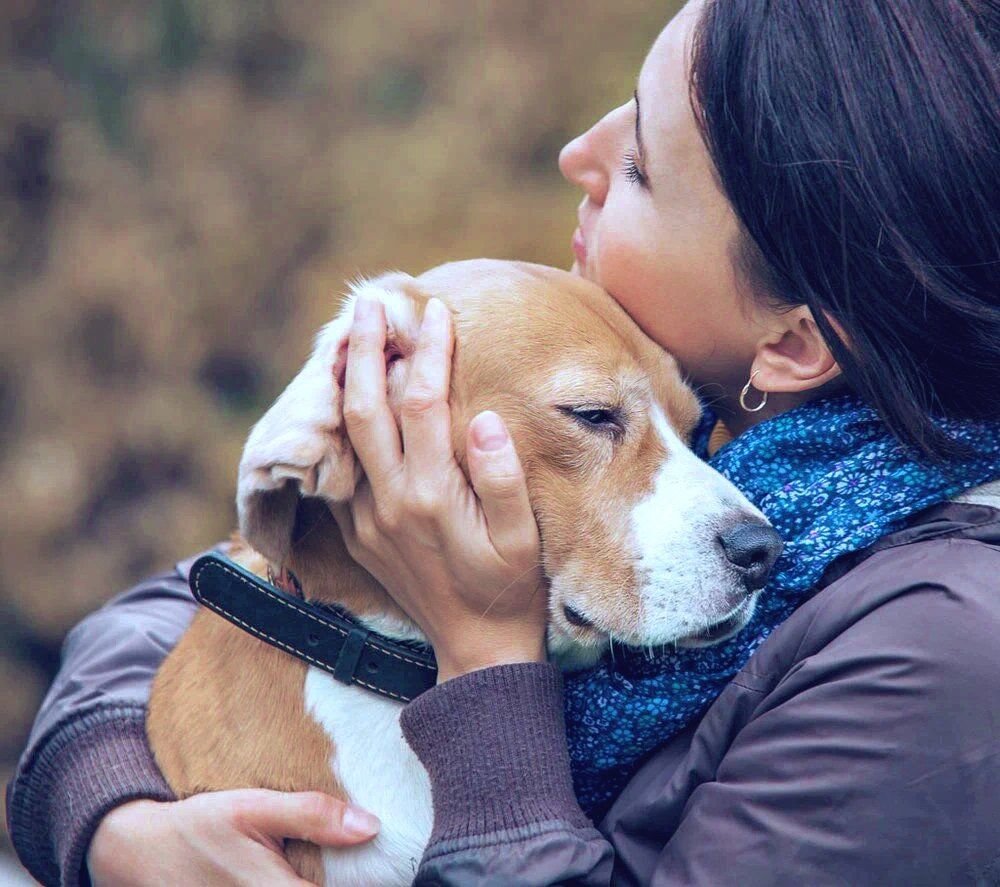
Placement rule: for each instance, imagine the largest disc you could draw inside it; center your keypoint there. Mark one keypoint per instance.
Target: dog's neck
(329, 575)
(397, 628)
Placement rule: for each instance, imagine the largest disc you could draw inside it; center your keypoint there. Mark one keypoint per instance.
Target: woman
(813, 230)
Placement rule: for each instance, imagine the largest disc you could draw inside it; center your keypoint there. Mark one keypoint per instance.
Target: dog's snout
(752, 547)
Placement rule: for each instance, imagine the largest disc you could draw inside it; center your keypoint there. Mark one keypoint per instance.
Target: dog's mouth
(581, 629)
(734, 621)
(575, 617)
(578, 628)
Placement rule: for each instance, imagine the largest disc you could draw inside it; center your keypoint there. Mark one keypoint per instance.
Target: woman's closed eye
(631, 170)
(632, 162)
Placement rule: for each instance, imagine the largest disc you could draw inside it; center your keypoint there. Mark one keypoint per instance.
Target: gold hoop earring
(746, 391)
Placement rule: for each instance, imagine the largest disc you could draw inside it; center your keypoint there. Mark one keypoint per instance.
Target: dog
(642, 542)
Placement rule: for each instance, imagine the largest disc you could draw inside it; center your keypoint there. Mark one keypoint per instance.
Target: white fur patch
(684, 578)
(399, 629)
(400, 311)
(380, 773)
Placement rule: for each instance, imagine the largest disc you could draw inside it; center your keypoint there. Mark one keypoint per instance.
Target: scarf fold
(831, 479)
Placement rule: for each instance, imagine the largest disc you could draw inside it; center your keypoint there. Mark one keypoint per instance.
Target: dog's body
(230, 711)
(630, 523)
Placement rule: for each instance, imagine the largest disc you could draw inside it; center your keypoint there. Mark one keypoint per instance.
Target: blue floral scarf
(832, 480)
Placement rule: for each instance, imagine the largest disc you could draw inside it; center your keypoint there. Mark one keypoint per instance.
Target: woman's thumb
(498, 479)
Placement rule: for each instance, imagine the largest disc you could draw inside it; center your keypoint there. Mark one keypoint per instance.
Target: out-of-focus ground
(185, 185)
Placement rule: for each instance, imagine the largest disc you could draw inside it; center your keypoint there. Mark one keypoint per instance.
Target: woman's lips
(580, 248)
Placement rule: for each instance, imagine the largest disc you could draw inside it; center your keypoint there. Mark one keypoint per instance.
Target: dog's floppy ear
(300, 447)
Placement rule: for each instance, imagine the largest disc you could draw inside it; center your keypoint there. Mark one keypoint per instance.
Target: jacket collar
(964, 518)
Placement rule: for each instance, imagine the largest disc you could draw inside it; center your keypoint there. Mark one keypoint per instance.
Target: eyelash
(630, 169)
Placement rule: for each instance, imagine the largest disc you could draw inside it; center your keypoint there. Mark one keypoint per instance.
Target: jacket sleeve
(494, 745)
(87, 752)
(874, 760)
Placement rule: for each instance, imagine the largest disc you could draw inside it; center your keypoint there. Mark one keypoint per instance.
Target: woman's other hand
(224, 838)
(461, 560)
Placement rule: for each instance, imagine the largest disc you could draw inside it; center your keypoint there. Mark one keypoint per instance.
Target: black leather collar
(322, 636)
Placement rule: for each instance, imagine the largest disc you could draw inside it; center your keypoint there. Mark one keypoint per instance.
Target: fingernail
(488, 432)
(360, 823)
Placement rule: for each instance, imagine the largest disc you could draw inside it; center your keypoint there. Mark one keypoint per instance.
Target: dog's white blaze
(380, 773)
(682, 574)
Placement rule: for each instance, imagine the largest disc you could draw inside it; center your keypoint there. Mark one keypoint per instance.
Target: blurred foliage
(184, 187)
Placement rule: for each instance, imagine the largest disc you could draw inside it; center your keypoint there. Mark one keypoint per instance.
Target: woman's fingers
(370, 423)
(426, 419)
(226, 838)
(359, 525)
(305, 816)
(498, 479)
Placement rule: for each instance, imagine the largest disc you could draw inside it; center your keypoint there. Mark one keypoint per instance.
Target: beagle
(643, 543)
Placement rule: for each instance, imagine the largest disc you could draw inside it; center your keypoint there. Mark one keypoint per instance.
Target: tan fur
(226, 709)
(719, 437)
(220, 715)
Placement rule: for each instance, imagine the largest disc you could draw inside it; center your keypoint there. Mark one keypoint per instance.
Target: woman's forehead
(666, 64)
(668, 123)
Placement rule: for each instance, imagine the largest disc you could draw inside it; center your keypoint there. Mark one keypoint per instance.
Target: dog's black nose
(752, 548)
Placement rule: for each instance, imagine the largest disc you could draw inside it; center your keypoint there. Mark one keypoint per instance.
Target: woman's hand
(224, 838)
(462, 561)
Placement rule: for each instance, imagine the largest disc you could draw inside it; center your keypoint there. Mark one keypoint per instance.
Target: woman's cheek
(635, 283)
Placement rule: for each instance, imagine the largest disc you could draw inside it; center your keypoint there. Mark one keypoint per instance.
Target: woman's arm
(88, 800)
(87, 752)
(494, 745)
(463, 561)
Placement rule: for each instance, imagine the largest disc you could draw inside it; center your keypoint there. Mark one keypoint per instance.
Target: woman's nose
(580, 164)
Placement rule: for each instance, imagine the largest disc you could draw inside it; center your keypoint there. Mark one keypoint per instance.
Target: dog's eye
(596, 419)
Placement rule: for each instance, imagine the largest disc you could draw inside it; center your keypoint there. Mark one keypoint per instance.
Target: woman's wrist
(479, 653)
(494, 746)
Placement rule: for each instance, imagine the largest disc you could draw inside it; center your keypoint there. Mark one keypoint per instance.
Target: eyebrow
(641, 149)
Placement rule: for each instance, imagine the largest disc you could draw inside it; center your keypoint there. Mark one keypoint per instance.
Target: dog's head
(642, 542)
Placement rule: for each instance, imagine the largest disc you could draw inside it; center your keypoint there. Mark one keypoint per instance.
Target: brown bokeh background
(185, 185)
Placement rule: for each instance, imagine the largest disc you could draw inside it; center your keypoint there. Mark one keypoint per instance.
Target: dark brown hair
(858, 142)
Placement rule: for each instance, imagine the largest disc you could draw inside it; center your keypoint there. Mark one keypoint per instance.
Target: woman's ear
(794, 356)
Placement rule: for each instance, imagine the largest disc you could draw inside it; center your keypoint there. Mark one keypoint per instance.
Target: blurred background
(185, 185)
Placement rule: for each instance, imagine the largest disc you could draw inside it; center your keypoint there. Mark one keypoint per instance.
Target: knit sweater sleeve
(494, 745)
(88, 752)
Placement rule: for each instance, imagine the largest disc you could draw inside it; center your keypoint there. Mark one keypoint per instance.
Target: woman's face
(655, 229)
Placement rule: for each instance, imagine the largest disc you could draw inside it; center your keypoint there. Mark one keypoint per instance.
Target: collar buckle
(350, 655)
